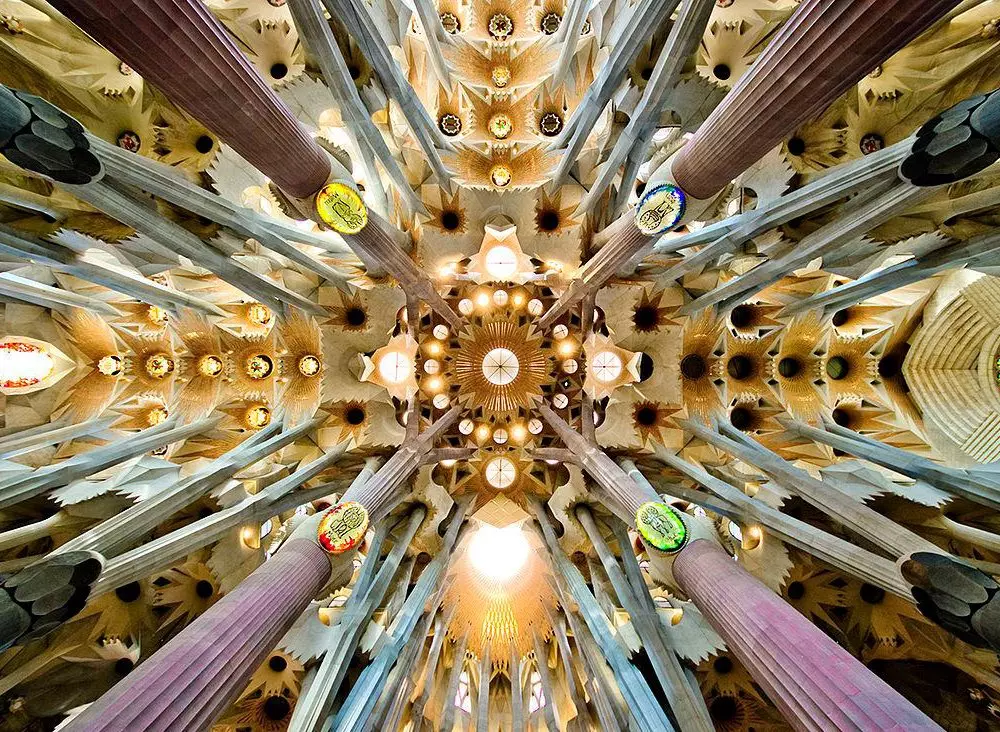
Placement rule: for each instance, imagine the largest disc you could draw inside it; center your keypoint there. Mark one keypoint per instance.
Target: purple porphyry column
(189, 682)
(823, 48)
(815, 683)
(180, 48)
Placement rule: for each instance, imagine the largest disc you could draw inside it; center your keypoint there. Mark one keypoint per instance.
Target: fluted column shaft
(183, 50)
(190, 681)
(815, 683)
(823, 48)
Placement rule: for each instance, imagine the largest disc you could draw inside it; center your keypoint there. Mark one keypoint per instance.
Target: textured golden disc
(660, 209)
(343, 527)
(661, 527)
(341, 208)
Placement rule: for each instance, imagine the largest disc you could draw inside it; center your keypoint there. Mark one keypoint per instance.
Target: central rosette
(501, 365)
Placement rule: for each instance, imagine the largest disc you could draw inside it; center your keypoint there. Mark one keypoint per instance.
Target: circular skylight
(499, 553)
(501, 262)
(395, 368)
(500, 366)
(500, 472)
(607, 366)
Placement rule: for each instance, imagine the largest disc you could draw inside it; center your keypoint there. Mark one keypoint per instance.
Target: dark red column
(823, 48)
(181, 48)
(815, 683)
(189, 682)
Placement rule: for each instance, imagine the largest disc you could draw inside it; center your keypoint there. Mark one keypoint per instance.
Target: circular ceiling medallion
(501, 262)
(500, 472)
(607, 366)
(343, 527)
(500, 366)
(341, 208)
(661, 527)
(660, 209)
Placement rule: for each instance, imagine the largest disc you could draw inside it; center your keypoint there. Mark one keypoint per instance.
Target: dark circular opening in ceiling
(789, 367)
(740, 367)
(355, 316)
(693, 366)
(276, 708)
(129, 592)
(837, 368)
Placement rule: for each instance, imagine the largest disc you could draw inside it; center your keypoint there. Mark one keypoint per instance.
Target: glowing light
(518, 433)
(499, 553)
(501, 262)
(250, 536)
(257, 417)
(483, 432)
(607, 366)
(110, 365)
(567, 348)
(448, 463)
(23, 364)
(501, 176)
(157, 415)
(157, 315)
(309, 365)
(501, 125)
(159, 365)
(483, 299)
(500, 76)
(434, 348)
(518, 299)
(259, 367)
(434, 384)
(259, 314)
(395, 368)
(500, 366)
(210, 366)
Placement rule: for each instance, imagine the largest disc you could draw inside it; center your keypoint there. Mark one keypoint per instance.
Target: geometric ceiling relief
(499, 364)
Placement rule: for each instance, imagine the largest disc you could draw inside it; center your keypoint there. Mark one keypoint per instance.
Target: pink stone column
(180, 47)
(189, 682)
(823, 48)
(815, 683)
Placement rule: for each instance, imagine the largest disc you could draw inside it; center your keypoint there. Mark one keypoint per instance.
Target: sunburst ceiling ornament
(500, 365)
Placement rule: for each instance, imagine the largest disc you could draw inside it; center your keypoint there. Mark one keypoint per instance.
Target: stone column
(823, 48)
(621, 495)
(185, 685)
(180, 47)
(815, 683)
